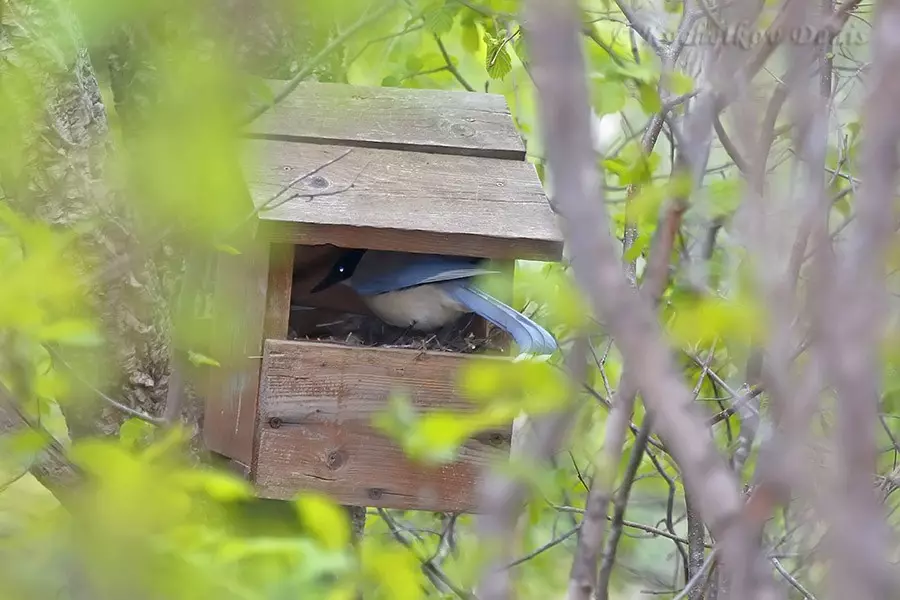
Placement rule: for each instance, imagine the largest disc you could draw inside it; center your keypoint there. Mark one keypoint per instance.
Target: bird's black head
(342, 269)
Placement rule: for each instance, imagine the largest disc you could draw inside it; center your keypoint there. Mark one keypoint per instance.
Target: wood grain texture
(406, 201)
(436, 121)
(317, 402)
(278, 294)
(230, 396)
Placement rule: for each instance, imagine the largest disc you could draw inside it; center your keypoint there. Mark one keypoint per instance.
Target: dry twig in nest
(368, 331)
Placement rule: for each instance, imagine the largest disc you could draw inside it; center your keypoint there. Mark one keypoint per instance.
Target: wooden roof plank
(397, 118)
(407, 201)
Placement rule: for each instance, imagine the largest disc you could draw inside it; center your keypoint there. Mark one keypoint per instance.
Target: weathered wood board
(316, 405)
(230, 392)
(405, 201)
(253, 294)
(422, 120)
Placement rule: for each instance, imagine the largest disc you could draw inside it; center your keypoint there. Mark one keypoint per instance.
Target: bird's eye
(340, 269)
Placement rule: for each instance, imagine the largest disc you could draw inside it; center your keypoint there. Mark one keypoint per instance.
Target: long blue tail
(529, 336)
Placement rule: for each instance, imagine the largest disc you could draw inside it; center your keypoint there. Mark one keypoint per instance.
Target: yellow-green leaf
(327, 522)
(198, 359)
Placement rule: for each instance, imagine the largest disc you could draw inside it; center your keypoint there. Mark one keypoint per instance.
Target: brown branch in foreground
(559, 66)
(621, 503)
(50, 466)
(502, 496)
(856, 307)
(691, 162)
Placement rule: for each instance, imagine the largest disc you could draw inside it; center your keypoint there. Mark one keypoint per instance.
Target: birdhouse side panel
(231, 390)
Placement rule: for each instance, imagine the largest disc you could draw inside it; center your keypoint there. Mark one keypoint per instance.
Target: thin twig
(431, 570)
(620, 504)
(318, 59)
(554, 542)
(451, 67)
(697, 576)
(112, 402)
(791, 579)
(633, 524)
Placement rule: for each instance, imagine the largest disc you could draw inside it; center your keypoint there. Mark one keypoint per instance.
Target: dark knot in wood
(462, 130)
(318, 182)
(275, 422)
(335, 460)
(376, 493)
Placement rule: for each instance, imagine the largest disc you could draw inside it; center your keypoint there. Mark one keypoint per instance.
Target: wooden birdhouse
(419, 171)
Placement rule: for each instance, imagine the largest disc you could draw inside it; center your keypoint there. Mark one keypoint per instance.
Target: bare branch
(558, 69)
(451, 67)
(621, 503)
(99, 393)
(50, 466)
(852, 332)
(791, 579)
(503, 496)
(697, 576)
(554, 542)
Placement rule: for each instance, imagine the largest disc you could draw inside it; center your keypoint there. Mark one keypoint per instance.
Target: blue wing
(382, 271)
(529, 336)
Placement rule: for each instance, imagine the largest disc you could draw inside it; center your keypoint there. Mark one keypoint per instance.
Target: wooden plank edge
(385, 501)
(500, 153)
(411, 240)
(271, 346)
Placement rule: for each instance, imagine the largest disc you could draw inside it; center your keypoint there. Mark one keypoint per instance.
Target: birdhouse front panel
(317, 409)
(339, 171)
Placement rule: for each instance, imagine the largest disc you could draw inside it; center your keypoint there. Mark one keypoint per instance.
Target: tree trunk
(63, 184)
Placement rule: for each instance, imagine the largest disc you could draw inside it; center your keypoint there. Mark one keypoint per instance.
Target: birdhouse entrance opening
(338, 315)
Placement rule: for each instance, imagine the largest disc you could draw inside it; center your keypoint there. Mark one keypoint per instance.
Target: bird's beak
(326, 283)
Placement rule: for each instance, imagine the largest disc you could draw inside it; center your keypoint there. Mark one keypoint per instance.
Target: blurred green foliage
(158, 150)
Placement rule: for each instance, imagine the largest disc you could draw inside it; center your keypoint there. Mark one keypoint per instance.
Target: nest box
(427, 171)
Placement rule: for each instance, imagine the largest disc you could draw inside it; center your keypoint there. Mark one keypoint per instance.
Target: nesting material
(368, 331)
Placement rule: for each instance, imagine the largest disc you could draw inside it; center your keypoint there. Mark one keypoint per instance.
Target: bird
(427, 291)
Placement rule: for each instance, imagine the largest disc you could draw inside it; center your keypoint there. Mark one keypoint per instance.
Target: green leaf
(471, 41)
(640, 244)
(631, 166)
(725, 195)
(24, 443)
(223, 487)
(703, 320)
(681, 83)
(607, 96)
(392, 571)
(198, 359)
(72, 332)
(650, 100)
(641, 73)
(324, 519)
(497, 60)
(439, 16)
(413, 64)
(135, 431)
(391, 81)
(228, 249)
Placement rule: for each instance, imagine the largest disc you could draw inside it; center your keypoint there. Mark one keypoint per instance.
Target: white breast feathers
(426, 307)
